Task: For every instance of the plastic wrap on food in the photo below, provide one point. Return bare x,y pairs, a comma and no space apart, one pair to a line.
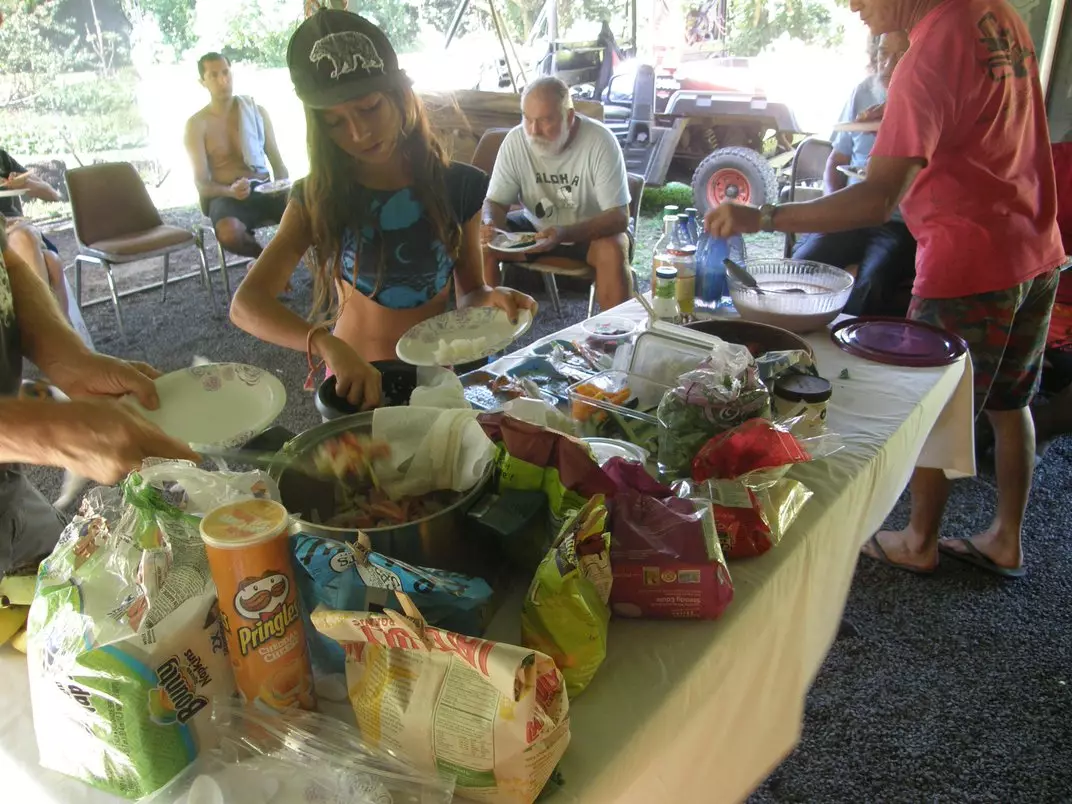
722,393
125,644
565,614
494,716
350,577
298,758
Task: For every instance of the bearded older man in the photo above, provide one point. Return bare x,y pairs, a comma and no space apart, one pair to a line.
964,148
568,173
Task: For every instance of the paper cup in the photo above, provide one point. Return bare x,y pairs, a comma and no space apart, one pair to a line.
249,555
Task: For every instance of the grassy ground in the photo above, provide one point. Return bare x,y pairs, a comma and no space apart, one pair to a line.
649,228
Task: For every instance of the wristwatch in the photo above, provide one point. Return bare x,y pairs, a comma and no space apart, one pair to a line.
766,217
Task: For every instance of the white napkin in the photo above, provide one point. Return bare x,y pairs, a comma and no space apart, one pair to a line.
438,388
431,449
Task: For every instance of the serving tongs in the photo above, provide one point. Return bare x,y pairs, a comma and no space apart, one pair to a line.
270,460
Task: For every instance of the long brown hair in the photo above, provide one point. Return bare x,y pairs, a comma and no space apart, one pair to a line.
332,200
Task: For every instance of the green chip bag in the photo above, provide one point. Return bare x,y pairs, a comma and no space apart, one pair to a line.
565,613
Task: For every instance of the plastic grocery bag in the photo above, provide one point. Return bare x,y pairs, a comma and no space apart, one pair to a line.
351,577
297,757
125,647
565,614
742,473
494,716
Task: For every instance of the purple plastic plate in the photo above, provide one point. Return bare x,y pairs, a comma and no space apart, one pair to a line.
898,342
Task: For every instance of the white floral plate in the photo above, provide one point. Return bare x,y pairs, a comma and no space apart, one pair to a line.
273,187
487,327
218,404
513,242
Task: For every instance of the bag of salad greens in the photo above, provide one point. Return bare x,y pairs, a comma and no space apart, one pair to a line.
721,393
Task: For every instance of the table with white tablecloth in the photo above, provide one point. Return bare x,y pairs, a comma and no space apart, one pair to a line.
689,710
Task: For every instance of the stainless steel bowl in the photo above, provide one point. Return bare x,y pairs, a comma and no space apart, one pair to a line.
778,301
441,540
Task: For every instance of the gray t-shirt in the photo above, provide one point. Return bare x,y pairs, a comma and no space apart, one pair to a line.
585,180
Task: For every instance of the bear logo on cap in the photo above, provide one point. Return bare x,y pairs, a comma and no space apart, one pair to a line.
346,50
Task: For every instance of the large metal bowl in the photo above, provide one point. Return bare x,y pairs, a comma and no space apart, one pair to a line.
441,540
827,291
759,338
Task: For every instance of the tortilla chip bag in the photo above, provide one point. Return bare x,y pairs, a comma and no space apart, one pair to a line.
565,613
492,715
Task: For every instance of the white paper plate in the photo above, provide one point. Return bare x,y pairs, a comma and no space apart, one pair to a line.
418,346
219,404
507,242
853,172
12,193
273,187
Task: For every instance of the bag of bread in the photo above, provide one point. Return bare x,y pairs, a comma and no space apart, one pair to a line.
125,646
493,716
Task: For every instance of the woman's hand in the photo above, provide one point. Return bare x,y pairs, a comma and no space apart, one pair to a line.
356,380
871,113
506,299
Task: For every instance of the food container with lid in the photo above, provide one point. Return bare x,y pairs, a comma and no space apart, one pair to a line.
800,400
618,405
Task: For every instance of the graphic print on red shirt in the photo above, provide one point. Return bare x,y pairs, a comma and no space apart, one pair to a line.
966,98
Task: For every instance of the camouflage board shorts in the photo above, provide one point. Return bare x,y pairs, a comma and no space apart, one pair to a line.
1006,335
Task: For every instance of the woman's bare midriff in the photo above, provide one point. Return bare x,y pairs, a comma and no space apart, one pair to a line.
373,330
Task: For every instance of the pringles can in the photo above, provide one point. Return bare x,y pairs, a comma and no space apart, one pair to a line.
249,555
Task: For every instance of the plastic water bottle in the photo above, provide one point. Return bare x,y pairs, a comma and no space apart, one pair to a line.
694,225
711,284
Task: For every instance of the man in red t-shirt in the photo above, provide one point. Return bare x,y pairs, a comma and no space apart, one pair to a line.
964,149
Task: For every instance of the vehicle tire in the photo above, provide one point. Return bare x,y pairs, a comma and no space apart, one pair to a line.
733,174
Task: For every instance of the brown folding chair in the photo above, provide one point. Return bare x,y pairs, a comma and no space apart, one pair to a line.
806,177
115,222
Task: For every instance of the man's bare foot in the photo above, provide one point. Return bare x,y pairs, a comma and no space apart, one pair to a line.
900,548
1001,550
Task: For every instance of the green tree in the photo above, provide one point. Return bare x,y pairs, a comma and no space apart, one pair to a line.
174,17
754,24
35,47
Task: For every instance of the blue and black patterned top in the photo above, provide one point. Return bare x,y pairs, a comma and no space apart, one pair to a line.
416,264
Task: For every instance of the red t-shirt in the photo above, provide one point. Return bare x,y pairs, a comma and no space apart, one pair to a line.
966,97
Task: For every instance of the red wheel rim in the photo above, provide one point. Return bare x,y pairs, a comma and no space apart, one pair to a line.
728,184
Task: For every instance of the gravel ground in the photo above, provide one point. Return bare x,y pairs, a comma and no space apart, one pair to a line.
957,687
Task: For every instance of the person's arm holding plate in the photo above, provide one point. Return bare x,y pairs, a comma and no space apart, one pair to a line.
468,276
605,224
95,438
257,310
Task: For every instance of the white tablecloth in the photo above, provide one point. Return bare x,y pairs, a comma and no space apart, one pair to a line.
701,711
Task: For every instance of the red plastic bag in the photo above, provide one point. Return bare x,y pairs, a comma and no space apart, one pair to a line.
756,444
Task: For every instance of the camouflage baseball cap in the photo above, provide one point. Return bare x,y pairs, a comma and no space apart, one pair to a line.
336,56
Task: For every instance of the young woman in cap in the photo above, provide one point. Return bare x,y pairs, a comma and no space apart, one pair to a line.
384,219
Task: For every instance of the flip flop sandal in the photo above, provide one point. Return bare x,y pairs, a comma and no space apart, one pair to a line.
881,557
972,555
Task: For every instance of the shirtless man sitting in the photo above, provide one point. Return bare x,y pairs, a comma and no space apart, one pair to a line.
231,143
